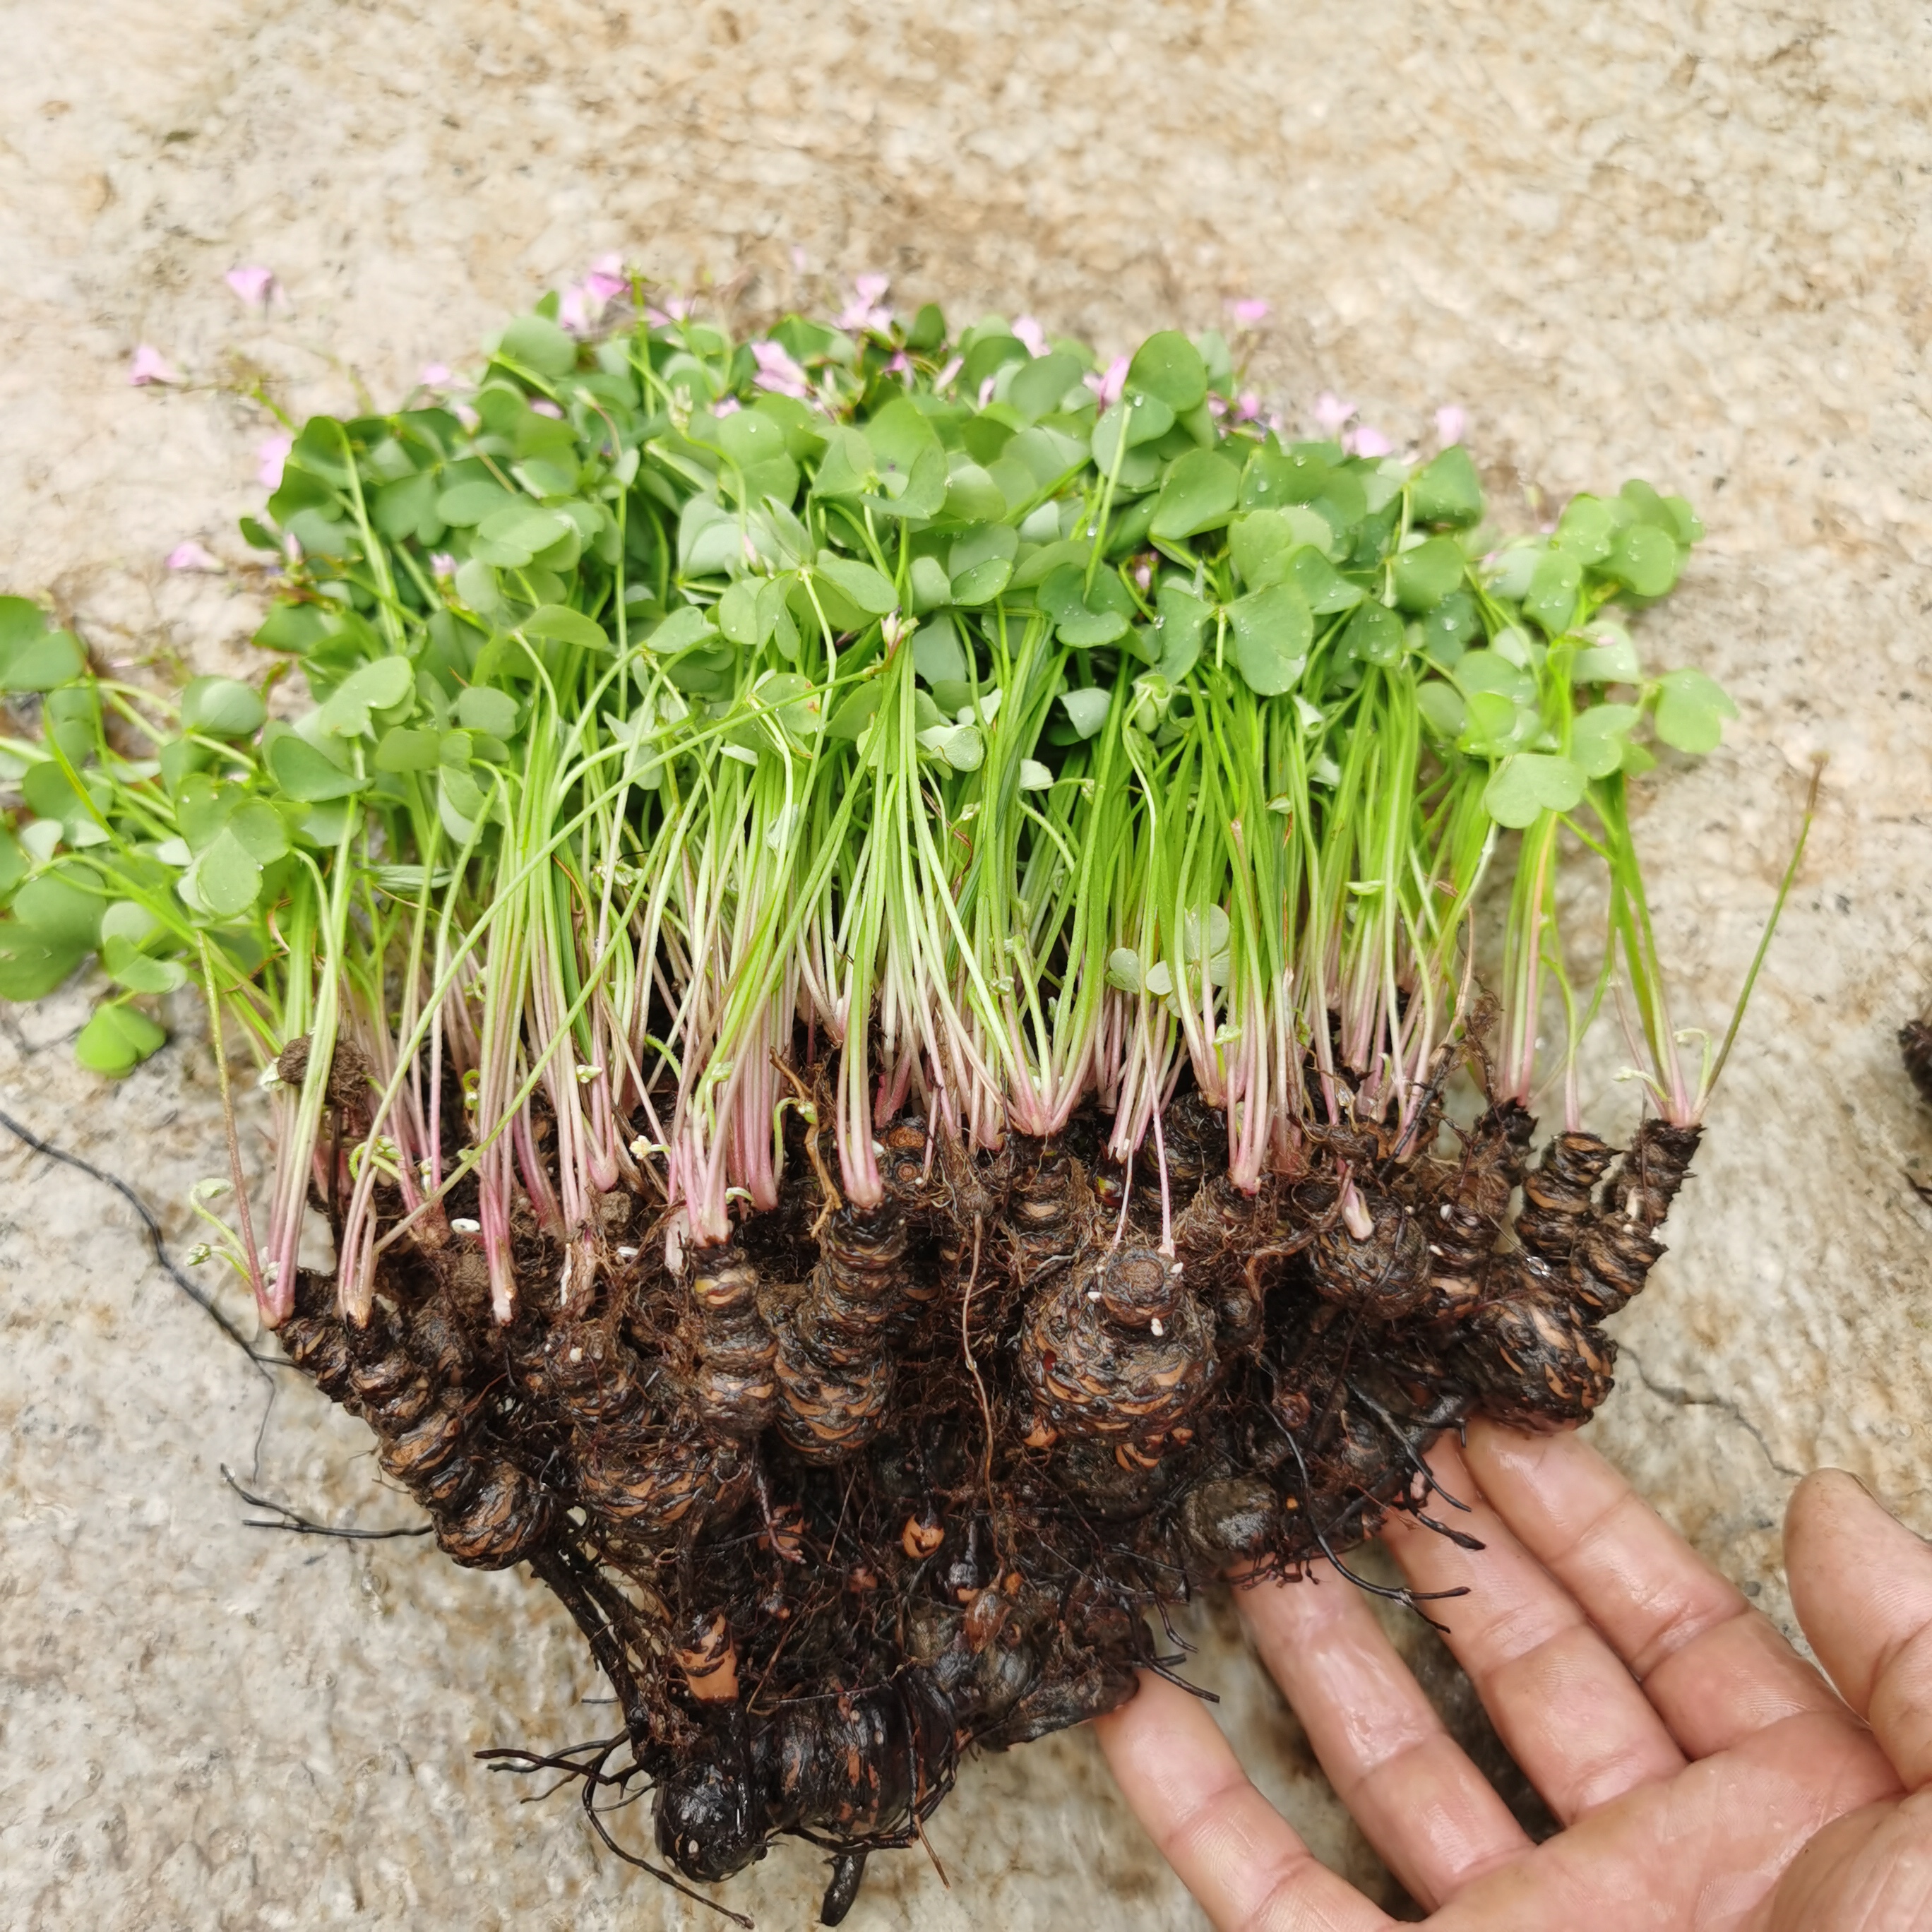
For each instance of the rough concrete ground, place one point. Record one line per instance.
(1687, 240)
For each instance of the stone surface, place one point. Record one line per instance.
(1685, 240)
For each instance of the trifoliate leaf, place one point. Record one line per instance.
(929, 585)
(1442, 707)
(858, 583)
(1646, 561)
(1169, 366)
(1199, 494)
(225, 879)
(1598, 737)
(538, 343)
(1530, 783)
(116, 1040)
(481, 708)
(1272, 630)
(33, 657)
(1611, 659)
(401, 749)
(972, 497)
(386, 685)
(1551, 598)
(465, 504)
(307, 775)
(960, 746)
(1123, 970)
(127, 965)
(222, 707)
(1586, 529)
(854, 711)
(685, 626)
(1447, 491)
(1691, 708)
(1178, 629)
(563, 625)
(981, 583)
(58, 912)
(1423, 576)
(1374, 635)
(1086, 710)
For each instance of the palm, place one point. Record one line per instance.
(1705, 1775)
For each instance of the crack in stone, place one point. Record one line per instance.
(1682, 1398)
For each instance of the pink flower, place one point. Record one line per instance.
(900, 365)
(1248, 407)
(1143, 574)
(778, 371)
(436, 376)
(1452, 425)
(944, 380)
(1331, 411)
(726, 406)
(1366, 441)
(1248, 311)
(192, 555)
(149, 365)
(270, 455)
(441, 564)
(1029, 332)
(864, 311)
(252, 284)
(606, 280)
(1109, 385)
(986, 390)
(675, 309)
(466, 416)
(577, 311)
(542, 406)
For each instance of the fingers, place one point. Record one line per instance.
(1713, 1669)
(1434, 1818)
(1862, 1585)
(1870, 1867)
(1569, 1713)
(1237, 1854)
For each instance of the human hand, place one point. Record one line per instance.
(1704, 1775)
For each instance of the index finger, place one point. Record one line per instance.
(1233, 1850)
(1715, 1670)
(1862, 1585)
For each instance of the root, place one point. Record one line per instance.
(864, 1485)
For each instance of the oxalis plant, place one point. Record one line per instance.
(795, 847)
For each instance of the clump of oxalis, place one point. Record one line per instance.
(861, 944)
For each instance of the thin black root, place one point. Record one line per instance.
(287, 1519)
(596, 1778)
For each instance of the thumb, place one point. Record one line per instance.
(1862, 1585)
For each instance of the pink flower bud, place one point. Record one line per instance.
(270, 453)
(149, 365)
(1029, 332)
(252, 284)
(1331, 411)
(1452, 425)
(1248, 310)
(192, 555)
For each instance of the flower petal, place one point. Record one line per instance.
(252, 283)
(149, 365)
(270, 453)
